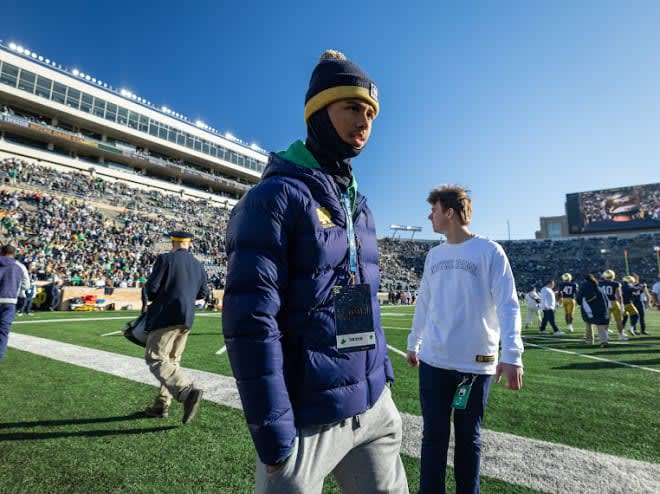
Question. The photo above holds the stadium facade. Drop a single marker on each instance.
(65, 118)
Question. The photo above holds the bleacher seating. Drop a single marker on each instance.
(85, 230)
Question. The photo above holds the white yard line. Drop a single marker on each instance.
(112, 333)
(540, 465)
(592, 357)
(397, 328)
(396, 350)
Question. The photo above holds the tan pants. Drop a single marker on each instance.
(589, 332)
(163, 351)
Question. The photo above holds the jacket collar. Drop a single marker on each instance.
(297, 162)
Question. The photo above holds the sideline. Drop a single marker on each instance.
(75, 319)
(540, 465)
(395, 350)
(107, 318)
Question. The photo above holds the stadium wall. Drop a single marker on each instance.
(123, 298)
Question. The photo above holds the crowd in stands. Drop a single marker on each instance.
(85, 230)
(402, 263)
(536, 261)
(59, 234)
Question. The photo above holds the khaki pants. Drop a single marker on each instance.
(163, 351)
(589, 332)
(361, 452)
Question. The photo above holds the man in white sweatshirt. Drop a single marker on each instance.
(548, 305)
(467, 305)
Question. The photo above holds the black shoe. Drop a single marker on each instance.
(157, 411)
(191, 404)
(644, 331)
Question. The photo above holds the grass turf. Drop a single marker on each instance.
(67, 429)
(79, 424)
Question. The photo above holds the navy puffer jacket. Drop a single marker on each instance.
(287, 247)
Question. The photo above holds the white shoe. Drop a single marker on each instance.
(570, 328)
(558, 333)
(623, 337)
(632, 331)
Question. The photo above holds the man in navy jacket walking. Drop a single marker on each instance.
(176, 281)
(300, 313)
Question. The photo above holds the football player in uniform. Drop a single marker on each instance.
(567, 291)
(613, 291)
(640, 289)
(629, 309)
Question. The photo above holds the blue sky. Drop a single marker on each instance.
(521, 102)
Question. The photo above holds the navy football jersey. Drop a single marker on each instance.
(627, 291)
(567, 290)
(637, 292)
(609, 287)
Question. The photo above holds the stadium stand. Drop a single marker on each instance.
(85, 230)
(534, 261)
(92, 176)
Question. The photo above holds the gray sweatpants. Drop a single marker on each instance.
(361, 452)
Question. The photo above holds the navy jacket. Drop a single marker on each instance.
(11, 277)
(287, 247)
(176, 281)
(594, 304)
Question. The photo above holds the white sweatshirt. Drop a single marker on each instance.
(548, 300)
(533, 299)
(467, 304)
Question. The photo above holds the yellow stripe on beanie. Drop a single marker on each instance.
(330, 95)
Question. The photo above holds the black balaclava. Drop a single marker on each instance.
(334, 78)
(331, 151)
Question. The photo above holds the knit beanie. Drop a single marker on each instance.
(336, 78)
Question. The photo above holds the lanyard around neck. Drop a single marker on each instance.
(350, 233)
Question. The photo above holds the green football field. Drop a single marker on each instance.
(67, 428)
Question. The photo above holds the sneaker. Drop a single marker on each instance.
(157, 411)
(559, 332)
(603, 345)
(191, 404)
(632, 331)
(644, 332)
(623, 337)
(570, 328)
(542, 331)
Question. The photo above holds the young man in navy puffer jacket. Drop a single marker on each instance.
(301, 317)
